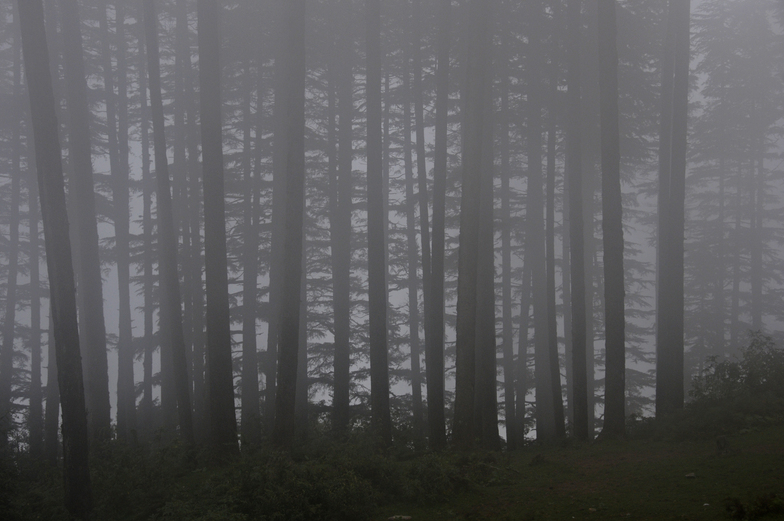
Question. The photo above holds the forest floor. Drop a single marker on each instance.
(639, 480)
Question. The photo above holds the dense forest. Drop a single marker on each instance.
(435, 223)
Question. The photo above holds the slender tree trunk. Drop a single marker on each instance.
(170, 281)
(279, 168)
(434, 349)
(546, 429)
(36, 420)
(340, 234)
(757, 222)
(582, 428)
(377, 292)
(250, 373)
(220, 383)
(424, 219)
(78, 491)
(552, 318)
(612, 230)
(9, 323)
(52, 418)
(413, 276)
(92, 326)
(521, 382)
(117, 112)
(477, 69)
(506, 255)
(147, 421)
(289, 327)
(486, 400)
(672, 180)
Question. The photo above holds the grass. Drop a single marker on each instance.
(640, 480)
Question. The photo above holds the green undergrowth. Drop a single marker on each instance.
(722, 457)
(741, 477)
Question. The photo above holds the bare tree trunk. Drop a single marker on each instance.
(468, 259)
(289, 326)
(672, 180)
(413, 276)
(552, 318)
(117, 125)
(78, 491)
(340, 214)
(170, 282)
(612, 230)
(546, 429)
(506, 255)
(9, 319)
(92, 327)
(424, 219)
(220, 383)
(377, 292)
(251, 428)
(35, 422)
(582, 429)
(434, 349)
(486, 399)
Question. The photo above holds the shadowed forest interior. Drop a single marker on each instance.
(469, 224)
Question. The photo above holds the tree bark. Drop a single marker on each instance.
(434, 349)
(220, 383)
(9, 319)
(170, 282)
(612, 230)
(340, 214)
(579, 405)
(377, 290)
(250, 374)
(672, 179)
(413, 272)
(289, 326)
(78, 491)
(470, 202)
(90, 293)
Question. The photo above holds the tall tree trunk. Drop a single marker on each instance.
(612, 230)
(434, 349)
(167, 242)
(36, 419)
(413, 275)
(582, 429)
(552, 318)
(468, 259)
(92, 327)
(117, 125)
(220, 383)
(279, 169)
(521, 382)
(289, 327)
(486, 400)
(672, 181)
(250, 373)
(52, 417)
(506, 255)
(757, 224)
(9, 322)
(546, 429)
(340, 214)
(424, 219)
(377, 290)
(78, 491)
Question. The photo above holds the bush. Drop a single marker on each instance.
(747, 392)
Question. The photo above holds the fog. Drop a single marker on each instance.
(333, 216)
